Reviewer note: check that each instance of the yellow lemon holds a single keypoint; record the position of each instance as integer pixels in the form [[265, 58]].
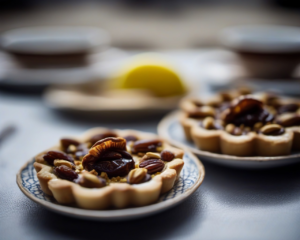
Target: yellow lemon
[[150, 72]]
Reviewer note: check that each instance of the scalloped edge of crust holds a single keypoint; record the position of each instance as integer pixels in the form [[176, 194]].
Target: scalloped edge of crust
[[116, 195], [252, 144]]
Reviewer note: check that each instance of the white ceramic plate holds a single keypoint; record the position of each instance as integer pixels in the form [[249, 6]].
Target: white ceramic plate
[[191, 177], [262, 38], [54, 40], [76, 101], [170, 129], [99, 66]]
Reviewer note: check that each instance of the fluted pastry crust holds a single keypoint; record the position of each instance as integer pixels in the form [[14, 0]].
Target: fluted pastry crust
[[251, 142], [116, 195]]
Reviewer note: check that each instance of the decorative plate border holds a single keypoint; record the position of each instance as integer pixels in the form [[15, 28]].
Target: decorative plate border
[[191, 177]]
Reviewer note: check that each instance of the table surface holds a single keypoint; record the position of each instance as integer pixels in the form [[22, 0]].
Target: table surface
[[230, 204]]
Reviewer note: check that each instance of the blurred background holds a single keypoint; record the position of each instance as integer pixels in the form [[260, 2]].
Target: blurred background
[[151, 24], [80, 56]]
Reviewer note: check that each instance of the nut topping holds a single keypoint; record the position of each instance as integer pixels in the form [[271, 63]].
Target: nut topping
[[151, 155], [101, 136], [65, 143], [89, 180], [138, 175], [208, 123], [130, 138], [233, 130], [292, 107], [246, 110], [109, 155], [146, 146], [211, 124], [272, 129], [58, 163], [153, 165], [167, 155], [65, 172], [50, 156], [289, 119], [204, 111]]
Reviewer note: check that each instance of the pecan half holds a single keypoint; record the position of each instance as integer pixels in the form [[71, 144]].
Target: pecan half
[[153, 165], [289, 120], [291, 107], [146, 146], [50, 156], [109, 155], [101, 136]]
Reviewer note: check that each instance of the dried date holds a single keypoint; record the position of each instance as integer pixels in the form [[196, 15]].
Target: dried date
[[50, 156], [167, 155], [65, 172]]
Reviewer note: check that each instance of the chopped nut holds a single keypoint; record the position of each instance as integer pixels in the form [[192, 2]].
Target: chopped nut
[[77, 162], [153, 155], [207, 111], [137, 175], [247, 129], [258, 125], [229, 128], [104, 175], [72, 148], [208, 123], [94, 172], [91, 181], [237, 131], [272, 129], [59, 162], [123, 180], [289, 119], [159, 149], [155, 174]]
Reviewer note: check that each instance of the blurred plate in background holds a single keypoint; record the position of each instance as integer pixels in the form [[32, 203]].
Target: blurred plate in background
[[170, 129], [98, 66], [54, 40], [87, 102]]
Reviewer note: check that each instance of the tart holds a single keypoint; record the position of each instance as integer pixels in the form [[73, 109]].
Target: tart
[[242, 124], [109, 169]]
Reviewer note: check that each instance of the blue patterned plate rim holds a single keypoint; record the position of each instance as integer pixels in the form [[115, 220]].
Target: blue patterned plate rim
[[168, 124], [191, 178]]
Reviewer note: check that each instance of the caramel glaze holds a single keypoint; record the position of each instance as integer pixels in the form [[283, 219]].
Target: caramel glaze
[[247, 111]]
